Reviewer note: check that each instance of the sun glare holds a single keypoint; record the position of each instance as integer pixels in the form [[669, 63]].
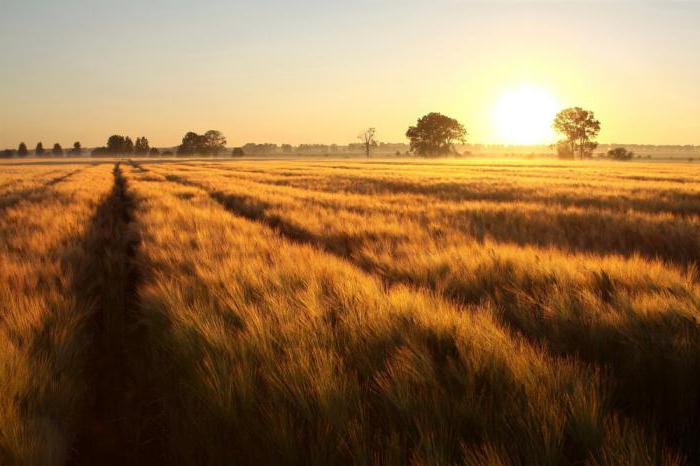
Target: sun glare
[[523, 115]]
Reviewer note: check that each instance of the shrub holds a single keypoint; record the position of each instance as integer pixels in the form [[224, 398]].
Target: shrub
[[620, 153]]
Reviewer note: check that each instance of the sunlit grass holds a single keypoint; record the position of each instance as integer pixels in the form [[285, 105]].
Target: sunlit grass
[[342, 312]]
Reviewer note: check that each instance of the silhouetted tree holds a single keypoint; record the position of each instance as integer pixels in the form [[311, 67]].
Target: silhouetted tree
[[120, 145], [153, 152], [620, 153], [579, 126], [77, 148], [7, 153], [214, 142], [238, 152], [115, 143], [141, 146], [39, 151], [435, 134], [22, 150], [368, 142], [57, 149], [191, 143], [211, 142], [101, 151]]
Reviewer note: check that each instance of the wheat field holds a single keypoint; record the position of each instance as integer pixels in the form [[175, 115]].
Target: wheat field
[[316, 312]]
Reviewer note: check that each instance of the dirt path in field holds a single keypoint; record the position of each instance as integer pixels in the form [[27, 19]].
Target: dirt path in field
[[119, 425]]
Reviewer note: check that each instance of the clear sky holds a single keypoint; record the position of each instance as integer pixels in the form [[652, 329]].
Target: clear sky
[[312, 71]]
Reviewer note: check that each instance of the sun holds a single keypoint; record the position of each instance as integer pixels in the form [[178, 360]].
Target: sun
[[523, 115]]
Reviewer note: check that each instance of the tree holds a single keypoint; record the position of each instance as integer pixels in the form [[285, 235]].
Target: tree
[[153, 152], [238, 152], [128, 145], [368, 142], [191, 143], [620, 153], [7, 153], [39, 151], [22, 150], [435, 134], [57, 149], [117, 144], [214, 142], [579, 126], [211, 142], [141, 146], [77, 148], [564, 150]]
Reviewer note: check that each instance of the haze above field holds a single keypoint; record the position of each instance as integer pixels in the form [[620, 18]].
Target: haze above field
[[319, 72]]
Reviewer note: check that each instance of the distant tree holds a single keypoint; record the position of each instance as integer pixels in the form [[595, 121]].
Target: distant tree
[[7, 153], [77, 148], [168, 152], [620, 153], [141, 146], [191, 144], [214, 142], [39, 151], [287, 149], [101, 151], [564, 150], [22, 150], [57, 149], [153, 152], [128, 145], [117, 144], [368, 141], [579, 126], [211, 142], [435, 134], [238, 152]]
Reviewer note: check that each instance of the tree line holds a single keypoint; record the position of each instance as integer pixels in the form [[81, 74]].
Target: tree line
[[433, 135]]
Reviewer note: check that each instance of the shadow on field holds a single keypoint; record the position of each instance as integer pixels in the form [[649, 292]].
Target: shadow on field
[[120, 423], [341, 246], [653, 361], [32, 195], [667, 200]]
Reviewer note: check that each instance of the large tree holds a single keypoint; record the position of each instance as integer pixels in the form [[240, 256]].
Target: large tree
[[57, 149], [191, 144], [211, 142], [579, 126], [435, 134], [39, 151], [368, 141], [22, 150], [214, 142], [117, 144]]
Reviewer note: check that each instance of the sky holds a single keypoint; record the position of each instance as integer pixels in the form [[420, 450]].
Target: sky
[[312, 71]]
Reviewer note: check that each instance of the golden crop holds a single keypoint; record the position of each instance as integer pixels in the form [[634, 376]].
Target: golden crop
[[350, 312]]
